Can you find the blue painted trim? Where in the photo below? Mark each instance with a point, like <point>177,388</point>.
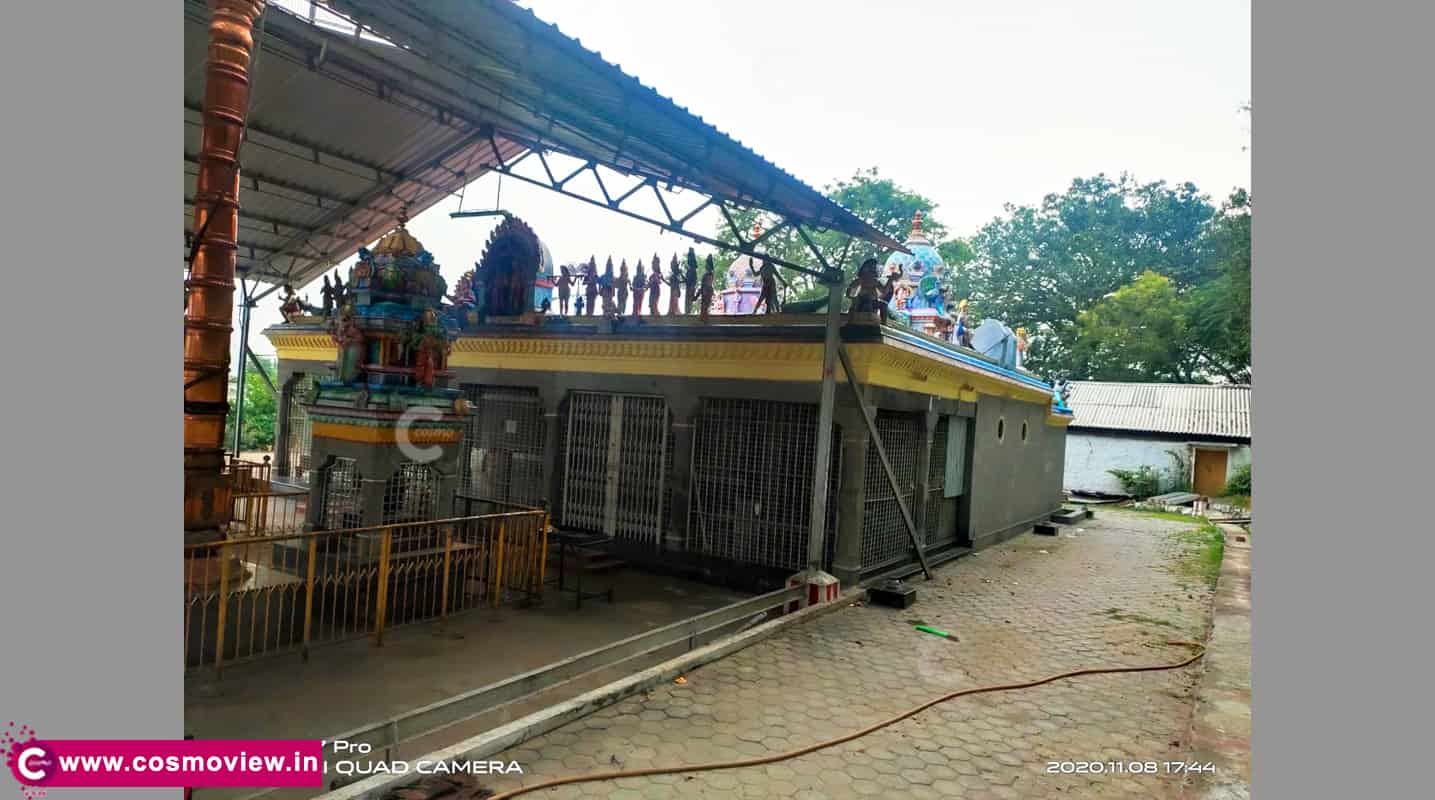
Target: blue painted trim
<point>957,355</point>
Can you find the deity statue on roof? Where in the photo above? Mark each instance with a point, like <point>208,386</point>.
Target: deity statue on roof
<point>290,307</point>
<point>675,281</point>
<point>690,281</point>
<point>640,288</point>
<point>620,286</point>
<point>963,332</point>
<point>590,285</point>
<point>430,344</point>
<point>743,292</point>
<point>653,283</point>
<point>865,291</point>
<point>769,276</point>
<point>350,340</point>
<point>565,289</point>
<point>706,290</point>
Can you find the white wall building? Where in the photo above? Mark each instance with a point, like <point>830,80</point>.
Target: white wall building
<point>1196,434</point>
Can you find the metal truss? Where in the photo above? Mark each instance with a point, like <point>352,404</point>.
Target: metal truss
<point>613,200</point>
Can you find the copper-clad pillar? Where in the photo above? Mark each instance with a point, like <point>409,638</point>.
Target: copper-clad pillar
<point>210,288</point>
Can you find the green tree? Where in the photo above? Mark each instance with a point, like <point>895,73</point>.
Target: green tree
<point>1040,266</point>
<point>879,201</point>
<point>260,411</point>
<point>1220,310</point>
<point>1138,333</point>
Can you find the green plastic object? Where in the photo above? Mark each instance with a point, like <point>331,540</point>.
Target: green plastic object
<point>934,631</point>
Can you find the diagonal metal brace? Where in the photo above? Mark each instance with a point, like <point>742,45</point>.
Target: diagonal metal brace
<point>263,373</point>
<point>882,455</point>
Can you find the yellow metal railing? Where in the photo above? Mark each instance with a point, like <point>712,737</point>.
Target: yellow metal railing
<point>249,476</point>
<point>269,512</point>
<point>261,595</point>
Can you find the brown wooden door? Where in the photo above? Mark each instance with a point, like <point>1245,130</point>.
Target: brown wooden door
<point>1210,473</point>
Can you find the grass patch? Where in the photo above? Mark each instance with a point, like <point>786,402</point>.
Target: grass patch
<point>1202,560</point>
<point>1166,515</point>
<point>1238,500</point>
<point>1121,616</point>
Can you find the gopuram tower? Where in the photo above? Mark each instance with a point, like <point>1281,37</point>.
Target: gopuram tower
<point>387,429</point>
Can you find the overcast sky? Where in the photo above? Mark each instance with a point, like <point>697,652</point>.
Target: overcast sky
<point>973,103</point>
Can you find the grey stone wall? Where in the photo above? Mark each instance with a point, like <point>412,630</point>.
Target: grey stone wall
<point>1013,483</point>
<point>1009,484</point>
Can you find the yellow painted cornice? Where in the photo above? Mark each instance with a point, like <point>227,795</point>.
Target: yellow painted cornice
<point>887,364</point>
<point>368,434</point>
<point>306,346</point>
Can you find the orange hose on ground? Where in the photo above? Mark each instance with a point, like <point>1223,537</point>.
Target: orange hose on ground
<point>812,748</point>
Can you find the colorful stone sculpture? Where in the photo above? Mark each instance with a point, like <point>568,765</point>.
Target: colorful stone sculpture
<point>706,290</point>
<point>565,289</point>
<point>690,281</point>
<point>675,280</point>
<point>654,283</point>
<point>350,339</point>
<point>865,291</point>
<point>620,287</point>
<point>769,276</point>
<point>590,285</point>
<point>640,287</point>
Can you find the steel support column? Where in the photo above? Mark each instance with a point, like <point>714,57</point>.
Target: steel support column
<point>245,305</point>
<point>822,463</point>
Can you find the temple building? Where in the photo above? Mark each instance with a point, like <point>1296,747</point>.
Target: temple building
<point>688,441</point>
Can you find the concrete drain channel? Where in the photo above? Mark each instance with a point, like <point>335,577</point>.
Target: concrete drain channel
<point>698,640</point>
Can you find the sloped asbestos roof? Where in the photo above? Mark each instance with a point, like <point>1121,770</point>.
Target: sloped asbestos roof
<point>344,131</point>
<point>1217,410</point>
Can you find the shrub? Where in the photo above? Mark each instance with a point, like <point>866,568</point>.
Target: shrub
<point>1240,482</point>
<point>1141,483</point>
<point>1180,472</point>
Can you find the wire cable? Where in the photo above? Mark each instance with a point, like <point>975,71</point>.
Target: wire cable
<point>812,748</point>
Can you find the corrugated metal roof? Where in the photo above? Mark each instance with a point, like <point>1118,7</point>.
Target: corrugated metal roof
<point>553,88</point>
<point>1192,409</point>
<point>330,157</point>
<point>344,132</point>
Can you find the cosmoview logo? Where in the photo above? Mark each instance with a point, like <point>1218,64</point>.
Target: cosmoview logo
<point>30,761</point>
<point>34,763</point>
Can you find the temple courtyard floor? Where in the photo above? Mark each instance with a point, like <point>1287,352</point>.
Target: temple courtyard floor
<point>1109,591</point>
<point>351,684</point>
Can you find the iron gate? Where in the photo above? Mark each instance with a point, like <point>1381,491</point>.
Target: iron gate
<point>936,533</point>
<point>503,445</point>
<point>752,482</point>
<point>884,535</point>
<point>341,495</point>
<point>615,465</point>
<point>297,428</point>
<point>411,494</point>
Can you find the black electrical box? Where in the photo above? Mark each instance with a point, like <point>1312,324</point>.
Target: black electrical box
<point>893,593</point>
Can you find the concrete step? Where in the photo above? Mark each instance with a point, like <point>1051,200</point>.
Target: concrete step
<point>1067,516</point>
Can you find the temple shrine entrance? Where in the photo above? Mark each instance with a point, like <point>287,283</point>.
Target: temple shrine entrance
<point>503,445</point>
<point>615,462</point>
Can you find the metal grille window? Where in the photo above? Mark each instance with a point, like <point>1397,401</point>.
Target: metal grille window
<point>936,489</point>
<point>503,445</point>
<point>884,535</point>
<point>752,482</point>
<point>615,463</point>
<point>341,495</point>
<point>411,494</point>
<point>299,430</point>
